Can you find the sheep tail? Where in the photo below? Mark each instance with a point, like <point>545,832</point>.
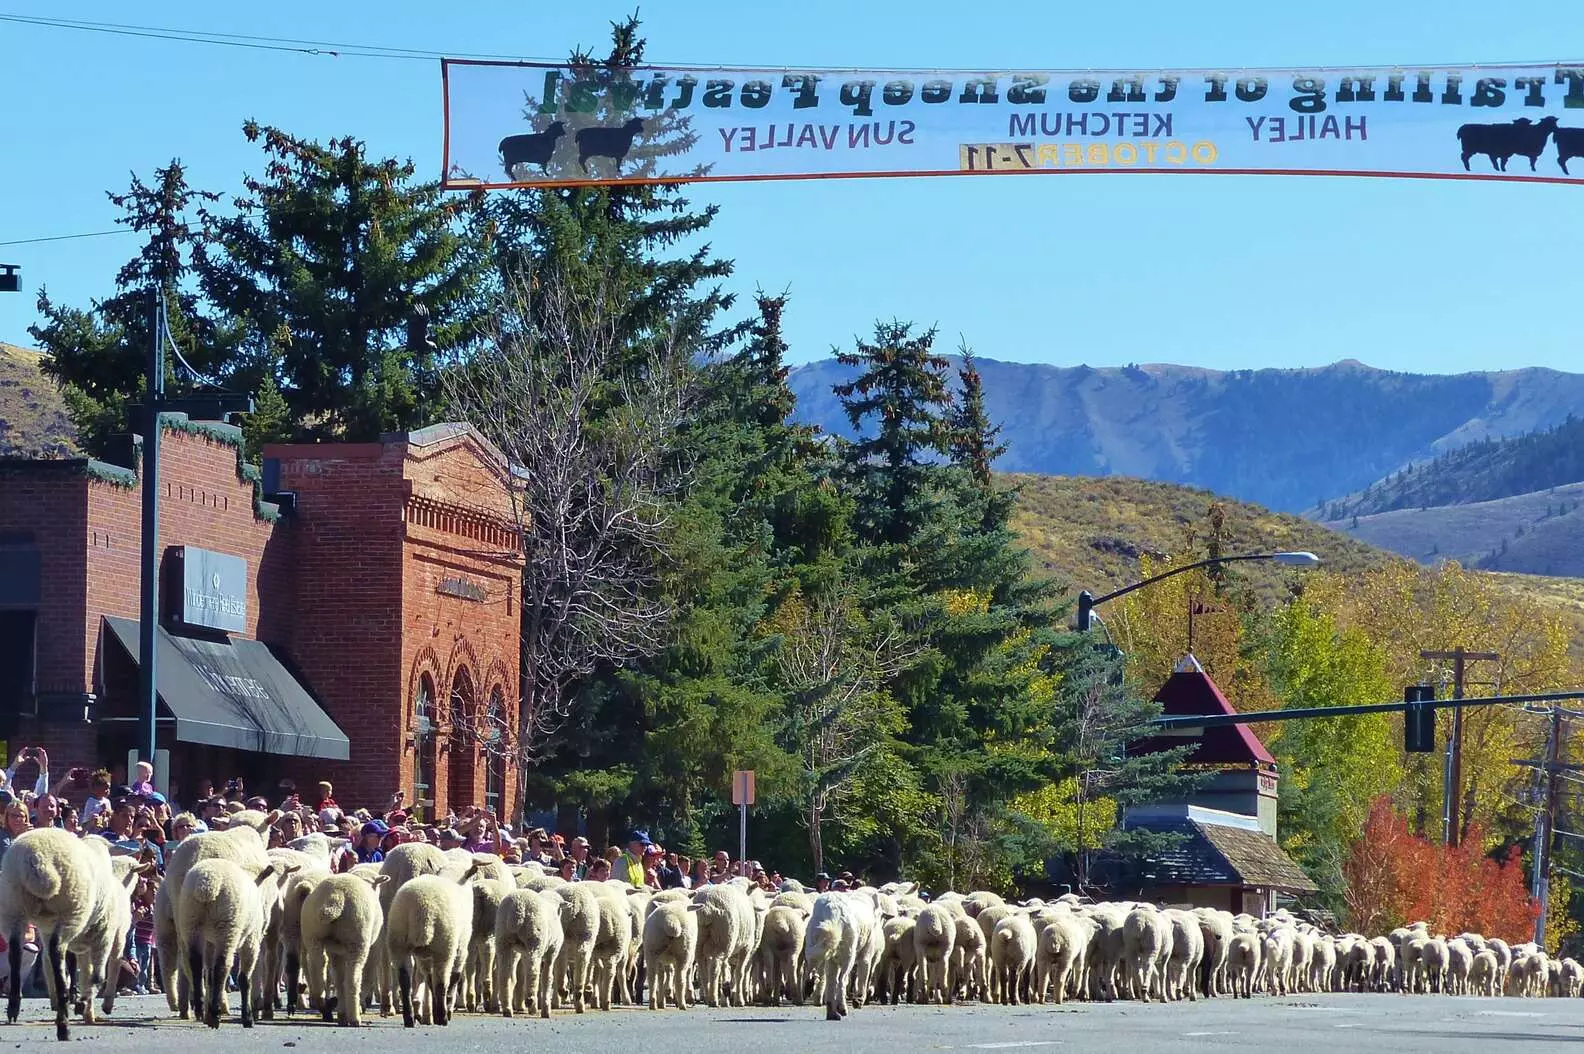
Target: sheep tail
<point>39,877</point>
<point>334,905</point>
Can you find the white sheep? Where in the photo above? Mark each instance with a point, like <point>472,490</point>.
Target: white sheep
<point>1012,947</point>
<point>527,944</point>
<point>899,960</point>
<point>283,928</point>
<point>340,923</point>
<point>838,927</point>
<point>427,935</point>
<point>670,942</point>
<point>1484,972</point>
<point>479,973</point>
<point>725,942</point>
<point>780,949</point>
<point>1244,954</point>
<point>241,841</point>
<point>1060,950</point>
<point>1147,943</point>
<point>78,900</point>
<point>579,929</point>
<point>934,941</point>
<point>607,964</point>
<point>1187,952</point>
<point>220,916</point>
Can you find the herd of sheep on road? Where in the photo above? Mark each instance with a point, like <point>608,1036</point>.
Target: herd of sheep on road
<point>427,932</point>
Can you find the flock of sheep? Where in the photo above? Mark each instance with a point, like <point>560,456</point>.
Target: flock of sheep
<point>428,931</point>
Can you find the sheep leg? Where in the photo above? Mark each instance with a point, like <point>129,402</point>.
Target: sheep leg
<point>215,983</point>
<point>404,991</point>
<point>14,955</point>
<point>57,986</point>
<point>350,990</point>
<point>194,993</point>
<point>293,974</point>
<point>440,995</point>
<point>506,977</point>
<point>245,994</point>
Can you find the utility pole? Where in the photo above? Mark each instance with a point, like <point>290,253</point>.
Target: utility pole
<point>1452,779</point>
<point>148,606</point>
<point>1546,825</point>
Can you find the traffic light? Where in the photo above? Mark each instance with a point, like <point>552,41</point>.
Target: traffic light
<point>1419,719</point>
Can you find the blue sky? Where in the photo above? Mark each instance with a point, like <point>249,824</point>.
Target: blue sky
<point>1231,272</point>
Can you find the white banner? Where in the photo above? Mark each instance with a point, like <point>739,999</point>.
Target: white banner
<point>526,125</point>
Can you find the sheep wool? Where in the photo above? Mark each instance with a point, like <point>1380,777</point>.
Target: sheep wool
<point>427,934</point>
<point>340,923</point>
<point>528,943</point>
<point>220,917</point>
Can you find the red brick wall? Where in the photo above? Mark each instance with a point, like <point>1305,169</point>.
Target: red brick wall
<point>457,530</point>
<point>344,543</point>
<point>349,587</point>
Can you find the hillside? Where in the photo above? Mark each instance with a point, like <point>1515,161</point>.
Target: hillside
<point>1540,533</point>
<point>1482,471</point>
<point>33,421</point>
<point>1089,532</point>
<point>1286,439</point>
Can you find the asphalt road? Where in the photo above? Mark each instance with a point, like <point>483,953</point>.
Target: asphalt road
<point>1318,1023</point>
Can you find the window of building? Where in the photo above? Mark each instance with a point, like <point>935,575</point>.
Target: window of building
<point>460,791</point>
<point>424,764</point>
<point>494,762</point>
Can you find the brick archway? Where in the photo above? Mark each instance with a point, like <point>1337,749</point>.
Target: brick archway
<point>462,786</point>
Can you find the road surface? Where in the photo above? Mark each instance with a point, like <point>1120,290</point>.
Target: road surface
<point>1296,1025</point>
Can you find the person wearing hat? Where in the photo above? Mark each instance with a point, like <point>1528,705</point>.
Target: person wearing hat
<point>822,883</point>
<point>371,838</point>
<point>450,838</point>
<point>629,867</point>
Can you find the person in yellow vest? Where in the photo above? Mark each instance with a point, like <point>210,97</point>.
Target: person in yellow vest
<point>629,867</point>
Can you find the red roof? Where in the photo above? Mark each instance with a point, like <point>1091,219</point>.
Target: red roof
<point>1192,692</point>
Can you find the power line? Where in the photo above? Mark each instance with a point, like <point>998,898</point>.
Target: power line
<point>67,237</point>
<point>324,48</point>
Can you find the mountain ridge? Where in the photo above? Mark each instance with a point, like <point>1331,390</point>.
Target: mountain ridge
<point>1282,438</point>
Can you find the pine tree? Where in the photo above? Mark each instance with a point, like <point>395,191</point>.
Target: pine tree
<point>975,438</point>
<point>897,407</point>
<point>352,282</point>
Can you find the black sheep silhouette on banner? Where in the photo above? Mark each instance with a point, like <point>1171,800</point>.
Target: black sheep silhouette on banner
<point>1522,137</point>
<point>539,148</point>
<point>531,148</point>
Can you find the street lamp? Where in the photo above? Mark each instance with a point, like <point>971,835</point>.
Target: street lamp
<point>1087,601</point>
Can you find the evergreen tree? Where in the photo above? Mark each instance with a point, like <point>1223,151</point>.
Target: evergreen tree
<point>98,354</point>
<point>897,407</point>
<point>352,283</point>
<point>975,439</point>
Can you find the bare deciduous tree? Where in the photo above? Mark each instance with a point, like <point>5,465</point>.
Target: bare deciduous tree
<point>587,421</point>
<point>834,663</point>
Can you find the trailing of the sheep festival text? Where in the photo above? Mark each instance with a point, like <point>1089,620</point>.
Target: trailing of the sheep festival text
<point>525,124</point>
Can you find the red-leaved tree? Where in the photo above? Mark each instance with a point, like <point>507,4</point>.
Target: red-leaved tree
<point>1394,877</point>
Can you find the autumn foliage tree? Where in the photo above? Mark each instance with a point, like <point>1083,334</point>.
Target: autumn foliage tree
<point>1395,878</point>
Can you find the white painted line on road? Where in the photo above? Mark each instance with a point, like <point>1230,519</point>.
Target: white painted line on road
<point>1014,1043</point>
<point>1209,1033</point>
<point>1351,1024</point>
<point>1509,1013</point>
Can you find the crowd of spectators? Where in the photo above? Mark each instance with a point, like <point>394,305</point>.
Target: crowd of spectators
<point>135,818</point>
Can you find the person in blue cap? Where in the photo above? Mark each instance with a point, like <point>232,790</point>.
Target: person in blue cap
<point>370,839</point>
<point>629,867</point>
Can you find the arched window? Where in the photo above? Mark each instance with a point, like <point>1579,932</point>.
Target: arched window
<point>424,739</point>
<point>494,761</point>
<point>459,788</point>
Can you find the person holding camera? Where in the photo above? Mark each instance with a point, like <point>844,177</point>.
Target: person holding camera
<point>41,786</point>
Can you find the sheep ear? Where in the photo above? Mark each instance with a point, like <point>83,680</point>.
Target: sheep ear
<point>694,906</point>
<point>264,874</point>
<point>378,880</point>
<point>272,818</point>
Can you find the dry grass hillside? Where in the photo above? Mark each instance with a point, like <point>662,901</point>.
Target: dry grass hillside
<point>1540,533</point>
<point>33,421</point>
<point>1090,531</point>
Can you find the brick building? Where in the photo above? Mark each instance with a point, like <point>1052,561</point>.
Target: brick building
<point>358,624</point>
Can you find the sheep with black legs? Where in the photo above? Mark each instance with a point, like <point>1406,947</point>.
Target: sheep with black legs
<point>220,918</point>
<point>427,935</point>
<point>340,923</point>
<point>527,946</point>
<point>243,842</point>
<point>78,899</point>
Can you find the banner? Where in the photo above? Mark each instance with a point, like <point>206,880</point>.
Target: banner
<point>534,125</point>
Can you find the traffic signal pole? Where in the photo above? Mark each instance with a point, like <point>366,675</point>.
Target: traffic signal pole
<point>1452,783</point>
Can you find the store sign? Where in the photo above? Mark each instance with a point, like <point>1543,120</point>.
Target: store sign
<point>462,589</point>
<point>214,589</point>
<point>528,125</point>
